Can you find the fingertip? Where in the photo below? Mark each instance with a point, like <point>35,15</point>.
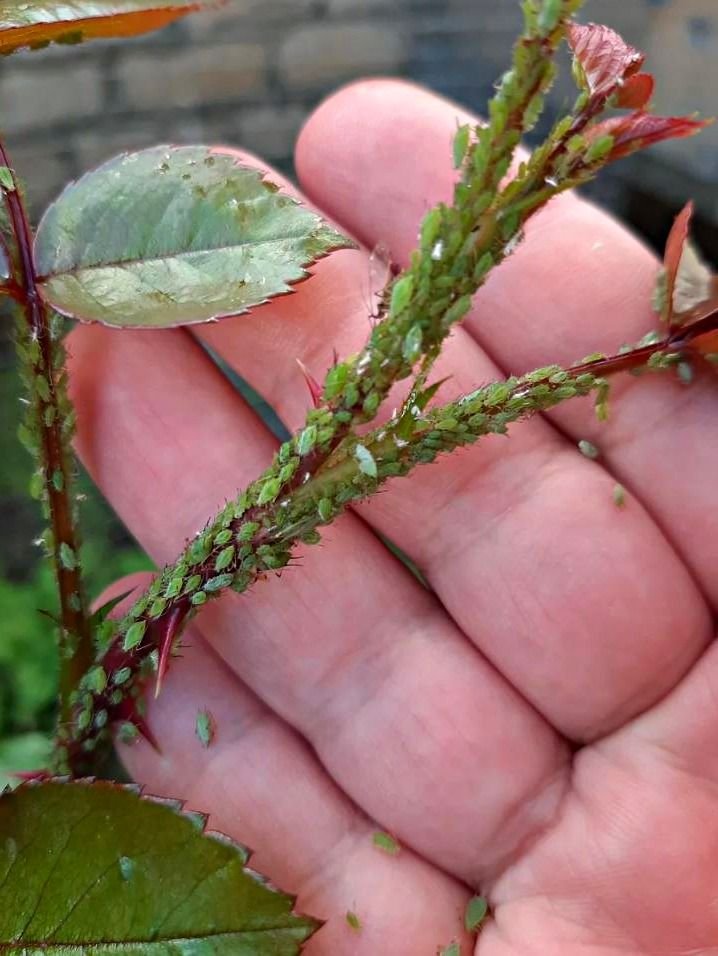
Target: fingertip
<point>351,147</point>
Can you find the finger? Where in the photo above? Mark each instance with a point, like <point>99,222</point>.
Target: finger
<point>349,649</point>
<point>578,284</point>
<point>480,524</point>
<point>262,786</point>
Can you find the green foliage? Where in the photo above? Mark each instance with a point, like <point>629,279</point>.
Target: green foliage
<point>96,868</point>
<point>202,237</point>
<point>23,752</point>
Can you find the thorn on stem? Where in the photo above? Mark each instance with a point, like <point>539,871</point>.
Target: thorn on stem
<point>315,389</point>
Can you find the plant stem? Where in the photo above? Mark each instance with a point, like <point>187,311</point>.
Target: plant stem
<point>247,540</point>
<point>76,647</point>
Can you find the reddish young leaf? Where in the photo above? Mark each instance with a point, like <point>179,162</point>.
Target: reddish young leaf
<point>605,57</point>
<point>689,290</point>
<point>675,245</point>
<point>636,92</point>
<point>35,25</point>
<point>639,130</point>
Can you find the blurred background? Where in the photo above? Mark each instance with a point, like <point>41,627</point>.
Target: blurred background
<point>249,74</point>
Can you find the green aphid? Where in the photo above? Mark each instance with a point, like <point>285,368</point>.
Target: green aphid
<point>127,868</point>
<point>174,587</point>
<point>205,727</point>
<point>218,583</point>
<point>198,550</point>
<point>37,486</point>
<point>67,557</point>
<point>95,679</point>
<point>386,842</point>
<point>288,471</point>
<point>121,676</point>
<point>7,180</point>
<point>325,509</point>
<point>412,344</point>
<point>335,380</point>
<point>42,388</point>
<point>401,294</point>
<point>84,719</point>
<point>461,144</point>
<point>224,558</point>
<point>619,496</point>
<point>247,531</point>
<point>477,909</point>
<point>307,440</point>
<point>133,636</point>
<point>158,607</point>
<point>353,921</point>
<point>192,583</point>
<point>198,599</point>
<point>128,733</point>
<point>223,537</point>
<point>454,949</point>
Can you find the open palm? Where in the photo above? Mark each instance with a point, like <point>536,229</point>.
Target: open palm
<point>543,723</point>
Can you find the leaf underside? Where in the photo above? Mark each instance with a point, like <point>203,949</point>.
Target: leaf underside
<point>33,25</point>
<point>92,868</point>
<point>173,236</point>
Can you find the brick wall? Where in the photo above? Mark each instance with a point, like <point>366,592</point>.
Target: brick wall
<point>250,73</point>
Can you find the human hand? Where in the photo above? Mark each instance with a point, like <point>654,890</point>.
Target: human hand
<point>542,724</point>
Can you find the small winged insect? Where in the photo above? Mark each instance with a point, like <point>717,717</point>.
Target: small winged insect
<point>381,271</point>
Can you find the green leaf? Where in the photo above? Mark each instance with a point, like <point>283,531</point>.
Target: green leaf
<point>94,868</point>
<point>173,236</point>
<point>35,25</point>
